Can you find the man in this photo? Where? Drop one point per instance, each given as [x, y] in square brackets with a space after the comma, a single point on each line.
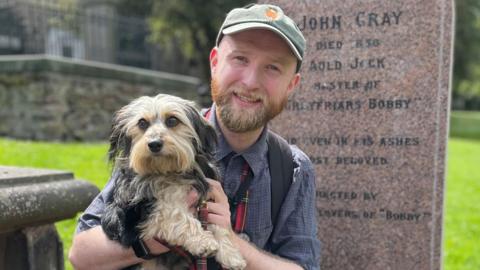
[254, 68]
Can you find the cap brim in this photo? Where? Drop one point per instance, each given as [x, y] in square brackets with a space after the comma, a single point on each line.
[254, 25]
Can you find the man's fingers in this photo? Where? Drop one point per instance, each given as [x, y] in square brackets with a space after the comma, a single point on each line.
[219, 220]
[216, 192]
[218, 209]
[219, 214]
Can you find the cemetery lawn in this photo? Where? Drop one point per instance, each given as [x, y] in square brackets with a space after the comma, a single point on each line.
[462, 214]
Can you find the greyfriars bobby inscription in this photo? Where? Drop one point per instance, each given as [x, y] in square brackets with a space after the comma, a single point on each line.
[371, 112]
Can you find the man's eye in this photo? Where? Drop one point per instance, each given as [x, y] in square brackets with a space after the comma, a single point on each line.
[143, 124]
[241, 59]
[172, 121]
[273, 67]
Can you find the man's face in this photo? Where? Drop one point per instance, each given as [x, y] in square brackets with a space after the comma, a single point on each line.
[253, 72]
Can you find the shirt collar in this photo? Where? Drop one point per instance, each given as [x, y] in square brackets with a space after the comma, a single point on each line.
[254, 155]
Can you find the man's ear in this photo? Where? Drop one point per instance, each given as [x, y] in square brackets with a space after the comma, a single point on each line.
[293, 83]
[213, 59]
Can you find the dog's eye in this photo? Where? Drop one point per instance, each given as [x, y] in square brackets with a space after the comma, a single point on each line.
[171, 121]
[143, 124]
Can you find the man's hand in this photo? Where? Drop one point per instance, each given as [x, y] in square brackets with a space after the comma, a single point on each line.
[218, 207]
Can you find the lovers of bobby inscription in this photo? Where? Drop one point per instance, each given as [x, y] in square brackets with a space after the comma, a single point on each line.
[371, 112]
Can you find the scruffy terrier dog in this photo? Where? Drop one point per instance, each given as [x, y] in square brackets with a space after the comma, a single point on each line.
[161, 148]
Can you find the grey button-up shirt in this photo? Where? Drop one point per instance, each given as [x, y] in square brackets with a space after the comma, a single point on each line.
[294, 237]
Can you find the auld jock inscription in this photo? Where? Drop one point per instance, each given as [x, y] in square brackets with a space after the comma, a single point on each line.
[371, 112]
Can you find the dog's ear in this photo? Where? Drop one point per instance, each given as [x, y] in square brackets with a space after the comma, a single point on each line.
[120, 143]
[205, 131]
[208, 167]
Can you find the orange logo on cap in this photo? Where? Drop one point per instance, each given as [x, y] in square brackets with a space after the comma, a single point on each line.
[271, 13]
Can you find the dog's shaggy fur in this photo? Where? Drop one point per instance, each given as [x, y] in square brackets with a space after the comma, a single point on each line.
[161, 148]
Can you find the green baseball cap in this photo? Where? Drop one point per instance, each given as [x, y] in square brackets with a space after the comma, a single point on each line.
[264, 16]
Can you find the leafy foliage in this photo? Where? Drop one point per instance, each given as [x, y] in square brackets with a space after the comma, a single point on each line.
[467, 49]
[192, 24]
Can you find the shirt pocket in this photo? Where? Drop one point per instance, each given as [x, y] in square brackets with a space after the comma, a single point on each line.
[259, 222]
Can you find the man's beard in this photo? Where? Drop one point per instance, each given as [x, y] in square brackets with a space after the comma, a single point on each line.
[237, 120]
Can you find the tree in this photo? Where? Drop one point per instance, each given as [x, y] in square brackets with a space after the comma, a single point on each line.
[191, 23]
[466, 83]
[134, 8]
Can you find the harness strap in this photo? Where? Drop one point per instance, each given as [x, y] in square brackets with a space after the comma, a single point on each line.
[280, 160]
[201, 262]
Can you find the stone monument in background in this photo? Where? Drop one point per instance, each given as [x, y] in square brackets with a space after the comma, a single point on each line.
[372, 114]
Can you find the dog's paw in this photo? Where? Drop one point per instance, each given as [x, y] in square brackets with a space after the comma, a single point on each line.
[230, 258]
[203, 246]
[236, 264]
[227, 255]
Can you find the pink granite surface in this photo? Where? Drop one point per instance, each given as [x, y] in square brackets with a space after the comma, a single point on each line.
[377, 131]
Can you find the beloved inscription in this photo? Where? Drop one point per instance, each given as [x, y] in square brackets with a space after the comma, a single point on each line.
[350, 161]
[354, 141]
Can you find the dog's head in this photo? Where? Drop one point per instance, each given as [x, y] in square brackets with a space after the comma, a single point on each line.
[161, 134]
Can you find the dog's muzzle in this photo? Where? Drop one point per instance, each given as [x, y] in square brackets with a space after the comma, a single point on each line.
[155, 146]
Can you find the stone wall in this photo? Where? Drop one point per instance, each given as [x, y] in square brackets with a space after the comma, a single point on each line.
[47, 98]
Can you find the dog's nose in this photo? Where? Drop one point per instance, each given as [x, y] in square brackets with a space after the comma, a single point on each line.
[155, 146]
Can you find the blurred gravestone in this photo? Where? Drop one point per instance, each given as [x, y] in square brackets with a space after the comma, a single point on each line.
[371, 112]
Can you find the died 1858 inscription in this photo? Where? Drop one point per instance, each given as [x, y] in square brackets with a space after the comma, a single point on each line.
[371, 112]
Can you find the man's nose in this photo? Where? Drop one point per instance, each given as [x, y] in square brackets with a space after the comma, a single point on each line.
[251, 78]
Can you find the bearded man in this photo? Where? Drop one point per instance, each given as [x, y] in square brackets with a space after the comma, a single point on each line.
[255, 67]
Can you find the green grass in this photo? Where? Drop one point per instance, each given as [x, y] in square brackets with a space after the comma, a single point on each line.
[462, 213]
[462, 207]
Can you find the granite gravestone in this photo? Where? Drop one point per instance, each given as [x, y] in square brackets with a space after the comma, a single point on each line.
[372, 114]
